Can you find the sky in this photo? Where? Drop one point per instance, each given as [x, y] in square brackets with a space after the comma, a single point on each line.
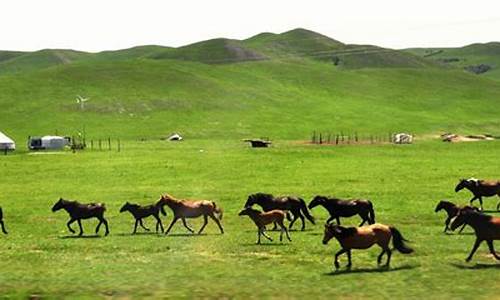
[96, 25]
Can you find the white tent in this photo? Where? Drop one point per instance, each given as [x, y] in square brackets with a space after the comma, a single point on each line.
[6, 143]
[48, 142]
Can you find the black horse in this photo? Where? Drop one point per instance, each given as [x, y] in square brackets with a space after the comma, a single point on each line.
[452, 210]
[140, 212]
[345, 208]
[1, 222]
[78, 211]
[480, 188]
[295, 205]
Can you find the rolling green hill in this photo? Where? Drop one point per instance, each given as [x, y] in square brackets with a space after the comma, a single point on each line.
[277, 89]
[471, 55]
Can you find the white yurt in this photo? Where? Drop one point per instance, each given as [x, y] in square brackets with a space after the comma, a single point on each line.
[6, 143]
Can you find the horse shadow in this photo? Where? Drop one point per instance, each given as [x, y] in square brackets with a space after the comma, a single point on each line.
[371, 270]
[476, 266]
[265, 244]
[93, 236]
[137, 233]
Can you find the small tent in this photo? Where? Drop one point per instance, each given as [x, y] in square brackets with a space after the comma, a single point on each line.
[6, 143]
[48, 143]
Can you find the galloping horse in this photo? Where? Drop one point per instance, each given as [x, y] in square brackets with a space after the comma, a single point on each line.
[295, 205]
[78, 211]
[345, 208]
[140, 212]
[261, 219]
[487, 228]
[1, 222]
[452, 210]
[183, 209]
[480, 188]
[363, 238]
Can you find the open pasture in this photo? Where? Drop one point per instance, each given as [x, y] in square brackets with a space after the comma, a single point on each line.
[40, 256]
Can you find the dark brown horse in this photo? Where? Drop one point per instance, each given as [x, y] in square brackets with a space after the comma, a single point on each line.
[480, 188]
[452, 210]
[78, 211]
[295, 205]
[261, 219]
[1, 222]
[487, 228]
[345, 208]
[183, 209]
[141, 212]
[363, 238]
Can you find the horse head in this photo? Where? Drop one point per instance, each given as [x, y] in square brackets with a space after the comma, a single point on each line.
[330, 231]
[125, 207]
[258, 199]
[442, 205]
[318, 200]
[247, 211]
[59, 205]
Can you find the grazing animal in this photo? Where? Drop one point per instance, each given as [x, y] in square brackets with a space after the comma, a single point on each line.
[78, 211]
[261, 219]
[140, 212]
[295, 205]
[480, 188]
[183, 209]
[363, 238]
[1, 222]
[452, 210]
[345, 208]
[486, 228]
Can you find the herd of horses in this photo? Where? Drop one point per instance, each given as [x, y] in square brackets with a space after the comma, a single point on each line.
[276, 209]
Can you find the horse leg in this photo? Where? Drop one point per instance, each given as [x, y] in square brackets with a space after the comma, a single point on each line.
[349, 262]
[3, 227]
[474, 248]
[295, 217]
[389, 254]
[135, 226]
[301, 216]
[69, 225]
[258, 236]
[446, 224]
[379, 258]
[171, 224]
[283, 228]
[364, 218]
[481, 202]
[158, 223]
[492, 249]
[81, 228]
[472, 200]
[205, 221]
[103, 221]
[186, 225]
[142, 225]
[338, 220]
[213, 217]
[265, 235]
[275, 226]
[336, 261]
[461, 229]
[329, 219]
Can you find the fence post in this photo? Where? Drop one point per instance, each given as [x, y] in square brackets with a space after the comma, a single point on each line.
[119, 145]
[100, 144]
[109, 143]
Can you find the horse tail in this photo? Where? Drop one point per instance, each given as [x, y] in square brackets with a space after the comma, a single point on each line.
[371, 212]
[218, 211]
[398, 241]
[288, 216]
[304, 209]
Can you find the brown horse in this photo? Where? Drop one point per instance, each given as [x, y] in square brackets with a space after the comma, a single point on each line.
[183, 209]
[141, 212]
[78, 211]
[295, 205]
[480, 188]
[452, 210]
[487, 228]
[1, 222]
[363, 238]
[261, 219]
[345, 208]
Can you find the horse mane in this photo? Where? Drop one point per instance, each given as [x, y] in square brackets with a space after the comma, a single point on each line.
[262, 196]
[343, 232]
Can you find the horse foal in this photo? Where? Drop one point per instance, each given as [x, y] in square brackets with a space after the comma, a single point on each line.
[452, 210]
[1, 222]
[261, 219]
[141, 212]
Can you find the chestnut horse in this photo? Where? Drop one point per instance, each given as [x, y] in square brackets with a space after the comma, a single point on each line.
[345, 208]
[1, 222]
[487, 228]
[452, 210]
[363, 238]
[480, 188]
[295, 205]
[141, 212]
[261, 219]
[183, 209]
[78, 211]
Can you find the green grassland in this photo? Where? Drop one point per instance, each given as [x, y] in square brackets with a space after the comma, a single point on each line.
[216, 93]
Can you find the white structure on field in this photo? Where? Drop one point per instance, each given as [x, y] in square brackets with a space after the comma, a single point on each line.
[6, 143]
[402, 138]
[48, 142]
[80, 100]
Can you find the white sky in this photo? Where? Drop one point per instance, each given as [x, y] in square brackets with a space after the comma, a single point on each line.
[94, 25]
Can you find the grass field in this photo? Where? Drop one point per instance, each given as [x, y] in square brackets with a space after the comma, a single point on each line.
[39, 256]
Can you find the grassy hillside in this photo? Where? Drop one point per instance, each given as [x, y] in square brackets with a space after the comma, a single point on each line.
[475, 54]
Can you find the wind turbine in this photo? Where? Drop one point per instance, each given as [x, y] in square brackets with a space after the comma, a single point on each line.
[80, 100]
